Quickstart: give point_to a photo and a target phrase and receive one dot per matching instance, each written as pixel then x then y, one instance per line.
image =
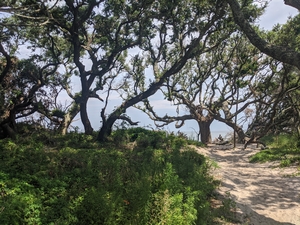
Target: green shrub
pixel 196 143
pixel 282 141
pixel 75 181
pixel 283 148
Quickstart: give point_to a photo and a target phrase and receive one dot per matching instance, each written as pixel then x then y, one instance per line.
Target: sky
pixel 277 12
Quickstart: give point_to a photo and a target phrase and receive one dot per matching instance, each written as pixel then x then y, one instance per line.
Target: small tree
pixel 30 82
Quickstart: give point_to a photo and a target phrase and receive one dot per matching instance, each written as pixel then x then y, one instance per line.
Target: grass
pixel 138 177
pixel 283 148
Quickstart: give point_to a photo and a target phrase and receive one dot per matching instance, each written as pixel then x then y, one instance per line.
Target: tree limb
pixel 281 53
pixel 165 119
pixel 293 3
pixel 127 119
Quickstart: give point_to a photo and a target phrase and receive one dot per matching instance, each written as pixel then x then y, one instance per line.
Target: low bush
pixel 75 180
pixel 283 148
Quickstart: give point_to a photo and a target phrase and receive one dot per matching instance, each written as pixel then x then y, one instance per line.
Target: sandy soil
pixel 264 195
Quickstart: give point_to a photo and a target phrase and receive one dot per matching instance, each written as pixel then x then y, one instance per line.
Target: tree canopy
pixel 193 51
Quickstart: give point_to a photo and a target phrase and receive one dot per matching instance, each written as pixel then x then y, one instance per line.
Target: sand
pixel 264 194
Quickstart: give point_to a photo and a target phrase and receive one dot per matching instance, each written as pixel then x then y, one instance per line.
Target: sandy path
pixel 263 195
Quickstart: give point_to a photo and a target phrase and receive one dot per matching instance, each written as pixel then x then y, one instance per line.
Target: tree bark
pixel 68 118
pixel 204 130
pixel 8 131
pixel 85 119
pixel 293 3
pixel 106 128
pixel 9 125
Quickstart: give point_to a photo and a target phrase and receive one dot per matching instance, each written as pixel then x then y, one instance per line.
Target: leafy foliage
pixel 76 181
pixel 283 148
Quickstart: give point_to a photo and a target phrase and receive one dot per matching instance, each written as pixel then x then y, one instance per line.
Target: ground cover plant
pixel 284 148
pixel 137 177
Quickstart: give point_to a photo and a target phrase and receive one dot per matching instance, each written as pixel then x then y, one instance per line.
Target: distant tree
pixel 266 95
pixel 177 33
pixel 180 35
pixel 98 36
pixel 280 110
pixel 131 47
pixel 209 84
pixel 30 82
pixel 240 82
pixel 22 87
pixel 89 37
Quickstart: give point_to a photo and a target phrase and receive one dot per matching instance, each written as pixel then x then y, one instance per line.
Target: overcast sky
pixel 277 12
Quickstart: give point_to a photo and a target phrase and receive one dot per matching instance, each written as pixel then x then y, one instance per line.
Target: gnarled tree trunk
pixel 8 125
pixel 68 118
pixel 106 129
pixel 8 131
pixel 204 131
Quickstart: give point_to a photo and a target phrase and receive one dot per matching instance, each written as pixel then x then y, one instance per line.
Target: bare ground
pixel 264 195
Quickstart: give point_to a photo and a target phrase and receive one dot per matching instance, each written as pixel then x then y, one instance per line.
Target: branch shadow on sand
pixel 255 188
pixel 249 216
pixel 243 214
